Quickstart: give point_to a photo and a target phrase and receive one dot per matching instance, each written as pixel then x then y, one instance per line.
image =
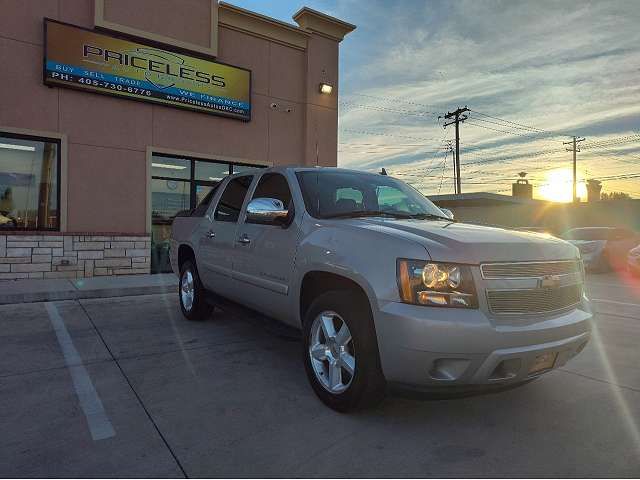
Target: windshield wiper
pixel 367 213
pixel 430 216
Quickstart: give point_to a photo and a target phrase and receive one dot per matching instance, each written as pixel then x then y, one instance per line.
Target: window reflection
pixel 211 172
pixel 173 167
pixel 28 184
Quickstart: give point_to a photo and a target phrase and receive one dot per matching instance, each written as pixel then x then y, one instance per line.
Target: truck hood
pixel 473 244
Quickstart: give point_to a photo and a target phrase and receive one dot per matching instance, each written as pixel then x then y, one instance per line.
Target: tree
pixel 615 196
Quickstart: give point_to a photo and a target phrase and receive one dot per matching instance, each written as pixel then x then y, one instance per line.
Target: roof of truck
pixel 308 169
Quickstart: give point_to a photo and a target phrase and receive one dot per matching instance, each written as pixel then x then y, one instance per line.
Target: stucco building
pixel 114 115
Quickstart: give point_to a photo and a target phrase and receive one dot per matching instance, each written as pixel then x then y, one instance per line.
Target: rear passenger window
pixel 230 204
pixel 274 185
pixel 203 206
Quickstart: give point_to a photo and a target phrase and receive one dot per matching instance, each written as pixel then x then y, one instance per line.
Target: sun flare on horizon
pixel 557 186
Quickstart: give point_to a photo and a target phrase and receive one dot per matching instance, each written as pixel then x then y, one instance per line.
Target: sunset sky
pixel 531 72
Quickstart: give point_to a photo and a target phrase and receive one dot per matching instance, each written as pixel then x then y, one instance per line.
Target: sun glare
pixel 557 186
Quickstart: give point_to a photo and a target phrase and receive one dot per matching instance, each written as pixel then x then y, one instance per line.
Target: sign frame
pixel 152 44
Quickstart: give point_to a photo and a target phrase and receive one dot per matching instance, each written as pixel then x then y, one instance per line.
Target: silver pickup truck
pixel 386 288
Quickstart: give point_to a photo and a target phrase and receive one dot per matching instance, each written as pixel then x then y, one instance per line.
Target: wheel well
pixel 317 283
pixel 185 252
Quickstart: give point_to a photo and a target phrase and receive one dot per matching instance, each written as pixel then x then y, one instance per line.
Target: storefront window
pixel 29 184
pixel 172 167
pixel 168 197
pixel 244 168
pixel 211 172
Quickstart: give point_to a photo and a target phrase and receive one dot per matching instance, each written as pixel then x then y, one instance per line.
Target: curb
pixel 72 293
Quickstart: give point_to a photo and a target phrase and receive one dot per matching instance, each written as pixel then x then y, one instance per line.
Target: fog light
pixel 448 368
pixel 506 369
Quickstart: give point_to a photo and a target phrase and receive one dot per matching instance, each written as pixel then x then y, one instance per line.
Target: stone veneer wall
pixel 72 255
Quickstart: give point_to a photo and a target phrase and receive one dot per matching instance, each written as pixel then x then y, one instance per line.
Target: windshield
pixel 332 194
pixel 587 234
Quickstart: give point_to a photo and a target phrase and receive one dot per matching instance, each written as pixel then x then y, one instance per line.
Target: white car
pixel 602 248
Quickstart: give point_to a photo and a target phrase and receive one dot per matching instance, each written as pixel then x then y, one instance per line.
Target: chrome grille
pixel 535 300
pixel 529 269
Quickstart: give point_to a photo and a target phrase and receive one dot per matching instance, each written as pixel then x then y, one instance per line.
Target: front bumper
pixel 441 347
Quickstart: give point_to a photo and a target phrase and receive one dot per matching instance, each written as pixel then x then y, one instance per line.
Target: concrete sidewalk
pixel 26 291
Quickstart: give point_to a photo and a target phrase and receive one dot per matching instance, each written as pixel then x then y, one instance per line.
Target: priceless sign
pixel 83 59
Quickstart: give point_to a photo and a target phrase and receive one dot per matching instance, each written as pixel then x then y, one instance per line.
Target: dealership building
pixel 115 115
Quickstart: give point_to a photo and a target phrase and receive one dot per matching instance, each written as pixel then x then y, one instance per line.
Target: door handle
pixel 244 240
pixel 210 234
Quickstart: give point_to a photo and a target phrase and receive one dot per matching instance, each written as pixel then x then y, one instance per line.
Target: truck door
pixel 264 254
pixel 217 242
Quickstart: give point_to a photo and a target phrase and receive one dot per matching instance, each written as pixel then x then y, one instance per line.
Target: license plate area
pixel 543 362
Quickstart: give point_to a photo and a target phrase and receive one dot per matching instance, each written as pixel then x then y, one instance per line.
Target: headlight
pixel 436 284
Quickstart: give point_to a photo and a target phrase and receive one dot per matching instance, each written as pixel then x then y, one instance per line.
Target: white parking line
pixel 99 424
pixel 614 302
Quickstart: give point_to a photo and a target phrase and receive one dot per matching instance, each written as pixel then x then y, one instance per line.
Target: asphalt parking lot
pixel 126 387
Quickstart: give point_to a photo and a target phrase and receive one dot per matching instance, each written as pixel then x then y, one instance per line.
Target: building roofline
pixel 260 25
pixel 495 197
pixel 323 24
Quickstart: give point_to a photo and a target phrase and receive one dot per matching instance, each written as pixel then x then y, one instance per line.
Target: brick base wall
pixel 72 255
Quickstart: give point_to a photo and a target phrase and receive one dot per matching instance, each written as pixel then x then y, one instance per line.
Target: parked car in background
pixel 385 287
pixel 544 230
pixel 602 248
pixel 633 261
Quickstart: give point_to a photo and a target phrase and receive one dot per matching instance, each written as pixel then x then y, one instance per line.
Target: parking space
pixel 127 387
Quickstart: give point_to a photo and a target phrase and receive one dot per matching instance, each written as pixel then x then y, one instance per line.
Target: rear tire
pixel 357 360
pixel 192 293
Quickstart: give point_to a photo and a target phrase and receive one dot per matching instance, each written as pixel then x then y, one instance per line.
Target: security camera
pixel 274 105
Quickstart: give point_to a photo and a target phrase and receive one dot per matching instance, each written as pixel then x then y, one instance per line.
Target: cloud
pixel 563 67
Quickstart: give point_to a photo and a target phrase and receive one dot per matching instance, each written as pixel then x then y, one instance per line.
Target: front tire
pixel 340 351
pixel 191 293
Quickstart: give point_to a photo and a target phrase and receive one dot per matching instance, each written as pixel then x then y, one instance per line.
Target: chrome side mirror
pixel 447 212
pixel 269 211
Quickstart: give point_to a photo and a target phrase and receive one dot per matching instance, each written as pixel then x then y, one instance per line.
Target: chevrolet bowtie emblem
pixel 549 281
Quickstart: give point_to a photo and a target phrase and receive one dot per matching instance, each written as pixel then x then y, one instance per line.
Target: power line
pixel 527 135
pixel 394 100
pixel 529 127
pixel 388 110
pixel 366 132
pixel 516 126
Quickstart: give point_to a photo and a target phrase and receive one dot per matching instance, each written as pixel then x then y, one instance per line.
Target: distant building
pixel 522 188
pixel 526 213
pixel 594 187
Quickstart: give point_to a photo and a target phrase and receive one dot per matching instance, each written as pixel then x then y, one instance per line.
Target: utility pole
pixel 458 117
pixel 574 148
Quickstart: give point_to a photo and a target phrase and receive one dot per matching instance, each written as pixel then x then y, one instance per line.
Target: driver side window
pixel 273 185
pixel 230 204
pixel 348 200
pixel 390 198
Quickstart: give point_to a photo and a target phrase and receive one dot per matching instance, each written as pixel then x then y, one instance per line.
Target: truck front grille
pixel 529 269
pixel 535 300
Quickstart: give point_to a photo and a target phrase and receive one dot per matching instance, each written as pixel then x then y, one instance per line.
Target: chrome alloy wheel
pixel 187 293
pixel 331 352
